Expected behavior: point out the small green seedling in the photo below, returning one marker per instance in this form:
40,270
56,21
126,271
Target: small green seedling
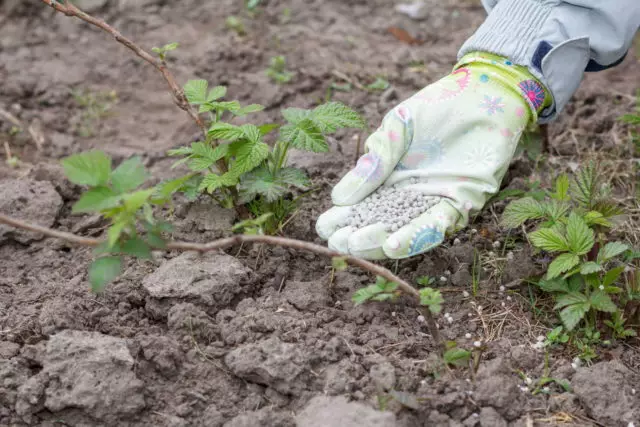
617,325
382,290
457,357
556,336
162,51
379,85
236,25
277,70
116,194
234,165
426,281
572,223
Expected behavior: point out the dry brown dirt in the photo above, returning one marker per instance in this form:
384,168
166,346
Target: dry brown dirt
260,336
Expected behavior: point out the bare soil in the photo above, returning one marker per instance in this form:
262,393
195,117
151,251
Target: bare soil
259,336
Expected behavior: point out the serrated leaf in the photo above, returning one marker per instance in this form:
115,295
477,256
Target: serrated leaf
295,115
579,236
383,297
562,188
549,240
554,285
216,93
555,209
602,302
198,164
332,116
212,182
305,135
180,151
363,295
570,299
249,156
102,271
612,275
590,267
165,189
91,168
97,199
196,91
573,314
596,218
220,106
136,247
584,186
129,175
294,177
457,357
612,250
268,128
134,201
248,109
432,299
261,182
561,264
226,131
519,211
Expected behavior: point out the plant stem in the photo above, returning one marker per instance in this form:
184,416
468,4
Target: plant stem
69,9
246,238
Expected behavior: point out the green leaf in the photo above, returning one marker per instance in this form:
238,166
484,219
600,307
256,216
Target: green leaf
572,315
137,248
129,175
332,116
555,209
596,218
268,128
166,189
561,264
220,106
584,186
96,200
134,201
579,236
198,164
226,131
457,357
549,240
554,285
295,115
294,177
305,135
91,168
570,299
612,250
102,271
519,211
196,91
590,267
632,119
612,276
248,109
249,156
602,302
180,151
114,232
432,299
261,182
216,93
212,182
208,152
379,84
562,188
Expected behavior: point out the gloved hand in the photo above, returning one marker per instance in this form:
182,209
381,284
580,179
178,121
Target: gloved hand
451,143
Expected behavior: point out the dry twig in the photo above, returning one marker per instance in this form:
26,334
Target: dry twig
238,240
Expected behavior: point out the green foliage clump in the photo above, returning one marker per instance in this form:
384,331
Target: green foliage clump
572,225
116,194
384,290
162,51
277,70
234,164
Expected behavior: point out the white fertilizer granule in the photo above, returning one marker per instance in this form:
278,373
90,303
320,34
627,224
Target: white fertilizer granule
391,206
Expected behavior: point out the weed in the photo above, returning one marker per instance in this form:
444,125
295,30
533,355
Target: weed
162,51
573,220
255,174
556,336
379,85
277,70
425,281
236,25
96,106
383,290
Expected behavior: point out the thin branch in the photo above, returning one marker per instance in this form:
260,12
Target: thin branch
69,9
238,240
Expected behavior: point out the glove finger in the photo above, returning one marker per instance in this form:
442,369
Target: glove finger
423,233
385,147
330,221
339,241
367,242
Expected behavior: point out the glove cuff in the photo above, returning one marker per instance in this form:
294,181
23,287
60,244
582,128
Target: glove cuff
514,77
529,33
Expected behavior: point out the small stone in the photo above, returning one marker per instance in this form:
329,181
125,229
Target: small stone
467,336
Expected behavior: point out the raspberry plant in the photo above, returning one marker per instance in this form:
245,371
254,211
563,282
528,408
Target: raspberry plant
573,223
234,165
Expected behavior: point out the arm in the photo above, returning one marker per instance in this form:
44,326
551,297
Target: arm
558,40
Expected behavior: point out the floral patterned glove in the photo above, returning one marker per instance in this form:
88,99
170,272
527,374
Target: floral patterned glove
452,141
